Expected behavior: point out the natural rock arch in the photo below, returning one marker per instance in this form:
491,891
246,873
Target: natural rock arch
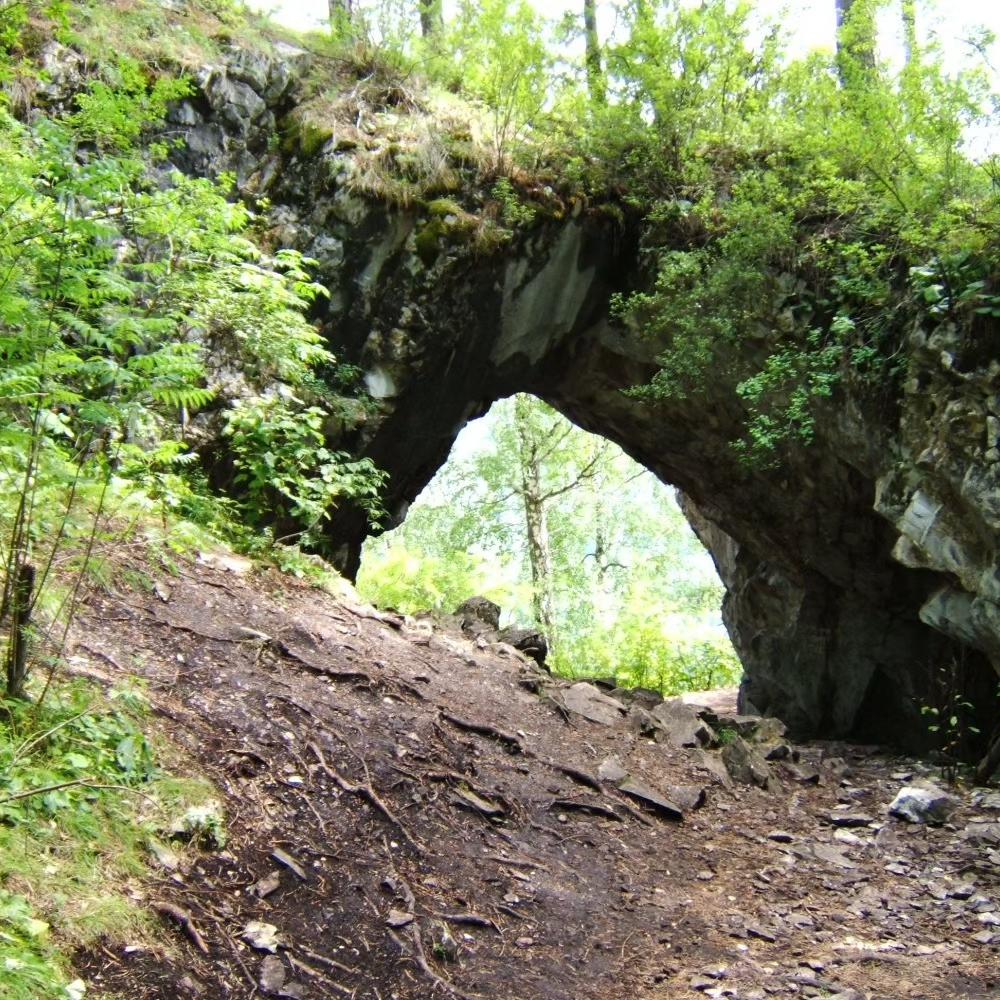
854,570
825,621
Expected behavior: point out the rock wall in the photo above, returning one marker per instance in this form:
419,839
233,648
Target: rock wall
854,571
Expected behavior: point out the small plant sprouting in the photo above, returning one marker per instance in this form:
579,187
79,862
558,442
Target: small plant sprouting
951,719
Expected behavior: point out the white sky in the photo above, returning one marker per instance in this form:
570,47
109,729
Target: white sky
809,22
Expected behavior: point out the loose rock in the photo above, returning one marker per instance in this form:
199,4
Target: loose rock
923,803
744,764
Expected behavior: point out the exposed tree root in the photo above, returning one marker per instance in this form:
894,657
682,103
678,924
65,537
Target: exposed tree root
367,792
186,922
510,742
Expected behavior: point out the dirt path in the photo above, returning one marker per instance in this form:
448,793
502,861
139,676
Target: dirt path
414,820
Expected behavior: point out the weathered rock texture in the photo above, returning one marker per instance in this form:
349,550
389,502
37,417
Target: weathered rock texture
854,570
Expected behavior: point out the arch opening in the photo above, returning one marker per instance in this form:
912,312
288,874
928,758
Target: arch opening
569,536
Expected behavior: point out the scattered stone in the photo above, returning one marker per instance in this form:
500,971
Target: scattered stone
705,876
650,797
762,933
981,904
780,837
643,697
641,722
443,942
272,974
262,936
688,797
742,725
715,971
780,752
268,884
846,837
529,641
713,764
524,942
478,610
611,770
468,799
203,825
284,858
985,799
586,700
982,833
769,729
805,774
399,918
701,983
744,764
682,725
831,855
986,937
165,856
849,819
923,803
189,985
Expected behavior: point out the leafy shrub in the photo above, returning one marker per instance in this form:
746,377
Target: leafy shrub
287,471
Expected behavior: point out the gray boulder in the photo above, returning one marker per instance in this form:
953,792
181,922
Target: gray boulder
923,802
475,609
744,764
529,641
585,699
681,724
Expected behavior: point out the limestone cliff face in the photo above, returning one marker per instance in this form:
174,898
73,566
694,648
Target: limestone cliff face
854,570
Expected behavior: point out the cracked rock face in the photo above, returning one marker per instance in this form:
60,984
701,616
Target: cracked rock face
854,570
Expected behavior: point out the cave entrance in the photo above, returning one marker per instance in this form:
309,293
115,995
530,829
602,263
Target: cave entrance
570,536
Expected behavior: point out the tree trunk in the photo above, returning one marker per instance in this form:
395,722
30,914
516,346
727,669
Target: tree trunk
909,30
535,520
19,612
596,83
341,15
431,18
855,40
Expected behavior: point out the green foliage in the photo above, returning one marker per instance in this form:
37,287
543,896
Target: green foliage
288,473
73,775
951,717
72,750
784,199
414,580
499,51
113,115
514,212
115,284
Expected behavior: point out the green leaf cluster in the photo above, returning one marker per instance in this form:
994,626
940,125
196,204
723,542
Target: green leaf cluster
785,204
120,283
289,476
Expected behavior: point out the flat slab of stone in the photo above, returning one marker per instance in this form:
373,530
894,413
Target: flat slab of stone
650,797
681,724
612,770
586,700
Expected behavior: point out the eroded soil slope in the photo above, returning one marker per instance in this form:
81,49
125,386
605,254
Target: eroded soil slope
414,816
